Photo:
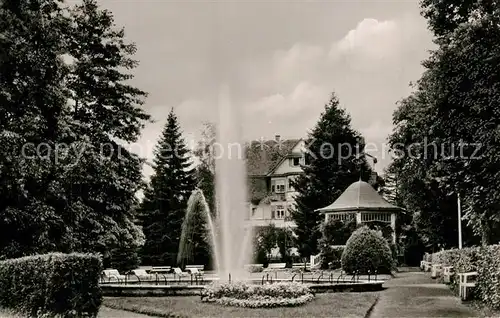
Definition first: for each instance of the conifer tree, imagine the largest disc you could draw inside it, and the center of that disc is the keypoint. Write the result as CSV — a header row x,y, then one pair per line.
x,y
165,200
332,164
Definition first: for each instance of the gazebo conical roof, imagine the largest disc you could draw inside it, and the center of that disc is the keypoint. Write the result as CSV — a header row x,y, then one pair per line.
x,y
360,196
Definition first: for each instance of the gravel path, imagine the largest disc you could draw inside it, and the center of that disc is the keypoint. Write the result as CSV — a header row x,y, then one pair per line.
x,y
415,294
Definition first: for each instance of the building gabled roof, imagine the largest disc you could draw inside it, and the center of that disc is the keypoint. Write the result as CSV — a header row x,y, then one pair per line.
x,y
359,196
263,156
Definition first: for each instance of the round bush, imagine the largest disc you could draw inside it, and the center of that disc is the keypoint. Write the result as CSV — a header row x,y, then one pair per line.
x,y
367,251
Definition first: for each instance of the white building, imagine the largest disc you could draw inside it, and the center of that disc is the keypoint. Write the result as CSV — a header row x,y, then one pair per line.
x,y
271,166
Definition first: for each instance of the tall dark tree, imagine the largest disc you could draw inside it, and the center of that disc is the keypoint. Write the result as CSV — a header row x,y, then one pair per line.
x,y
106,108
164,205
455,104
67,185
333,163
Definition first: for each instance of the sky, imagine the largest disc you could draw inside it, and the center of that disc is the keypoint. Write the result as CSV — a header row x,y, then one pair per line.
x,y
280,60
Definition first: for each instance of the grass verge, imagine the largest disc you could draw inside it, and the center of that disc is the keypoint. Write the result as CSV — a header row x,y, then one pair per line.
x,y
324,305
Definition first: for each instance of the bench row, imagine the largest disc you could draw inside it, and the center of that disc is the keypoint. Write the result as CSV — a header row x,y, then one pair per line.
x,y
466,281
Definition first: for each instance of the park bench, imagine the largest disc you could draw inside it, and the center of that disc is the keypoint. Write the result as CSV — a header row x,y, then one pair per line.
x,y
275,267
178,272
467,281
436,270
447,274
422,264
141,274
301,266
425,266
160,270
196,270
112,275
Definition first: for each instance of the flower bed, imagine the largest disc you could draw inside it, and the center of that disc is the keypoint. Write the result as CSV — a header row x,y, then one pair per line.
x,y
257,296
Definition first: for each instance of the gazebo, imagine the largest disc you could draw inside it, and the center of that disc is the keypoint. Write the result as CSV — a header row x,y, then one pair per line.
x,y
362,202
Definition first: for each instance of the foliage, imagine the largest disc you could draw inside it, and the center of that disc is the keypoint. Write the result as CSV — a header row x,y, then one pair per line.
x,y
54,285
445,16
488,283
367,251
65,96
165,200
257,296
205,171
455,105
337,232
334,233
331,257
269,237
331,166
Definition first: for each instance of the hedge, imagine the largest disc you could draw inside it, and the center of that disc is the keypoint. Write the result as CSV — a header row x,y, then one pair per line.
x,y
484,260
52,285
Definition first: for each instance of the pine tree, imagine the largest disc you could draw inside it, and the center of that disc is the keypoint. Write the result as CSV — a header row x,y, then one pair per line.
x,y
165,200
332,165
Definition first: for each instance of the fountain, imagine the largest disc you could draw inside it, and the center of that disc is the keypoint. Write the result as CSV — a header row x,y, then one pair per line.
x,y
198,207
230,239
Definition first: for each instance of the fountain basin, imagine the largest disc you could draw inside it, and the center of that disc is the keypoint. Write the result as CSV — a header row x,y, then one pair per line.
x,y
148,290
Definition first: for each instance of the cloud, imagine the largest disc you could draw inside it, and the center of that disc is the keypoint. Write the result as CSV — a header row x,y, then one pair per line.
x,y
372,38
289,114
368,67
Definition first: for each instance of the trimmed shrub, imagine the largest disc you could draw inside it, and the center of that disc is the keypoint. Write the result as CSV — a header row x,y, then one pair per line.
x,y
488,282
257,296
52,285
367,251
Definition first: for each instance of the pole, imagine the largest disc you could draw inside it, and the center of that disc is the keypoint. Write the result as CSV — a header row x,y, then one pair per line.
x,y
459,222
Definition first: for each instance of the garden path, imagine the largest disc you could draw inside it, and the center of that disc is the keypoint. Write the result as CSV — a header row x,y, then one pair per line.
x,y
415,294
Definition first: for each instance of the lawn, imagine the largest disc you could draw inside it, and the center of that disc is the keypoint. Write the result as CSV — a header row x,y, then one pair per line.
x,y
324,305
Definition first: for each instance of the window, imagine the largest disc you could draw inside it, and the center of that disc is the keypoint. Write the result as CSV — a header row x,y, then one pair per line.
x,y
295,162
253,211
280,212
280,186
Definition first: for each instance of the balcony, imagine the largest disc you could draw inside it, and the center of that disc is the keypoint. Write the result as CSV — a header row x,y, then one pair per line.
x,y
286,222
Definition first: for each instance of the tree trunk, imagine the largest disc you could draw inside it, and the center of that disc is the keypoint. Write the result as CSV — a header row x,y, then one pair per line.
x,y
485,231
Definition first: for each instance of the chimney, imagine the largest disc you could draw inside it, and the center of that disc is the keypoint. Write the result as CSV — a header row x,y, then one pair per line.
x,y
277,137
